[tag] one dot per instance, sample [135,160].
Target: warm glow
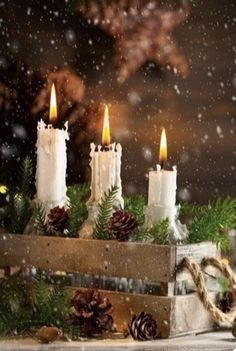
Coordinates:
[106,137]
[163,147]
[3,189]
[53,105]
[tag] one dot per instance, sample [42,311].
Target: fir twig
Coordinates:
[25,305]
[40,219]
[77,195]
[104,214]
[25,176]
[135,205]
[211,222]
[19,210]
[157,234]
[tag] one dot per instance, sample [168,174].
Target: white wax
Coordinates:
[106,168]
[162,187]
[51,164]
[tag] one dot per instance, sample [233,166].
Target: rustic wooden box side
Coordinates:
[176,314]
[188,315]
[99,257]
[126,305]
[196,252]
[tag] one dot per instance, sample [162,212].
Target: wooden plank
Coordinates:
[188,315]
[196,252]
[126,305]
[98,257]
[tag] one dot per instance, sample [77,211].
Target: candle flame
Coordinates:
[106,137]
[53,105]
[163,147]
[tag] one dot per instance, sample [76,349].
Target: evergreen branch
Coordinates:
[77,195]
[211,222]
[104,214]
[25,176]
[18,212]
[39,219]
[135,205]
[25,305]
[157,234]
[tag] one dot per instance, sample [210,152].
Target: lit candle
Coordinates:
[105,165]
[162,185]
[51,160]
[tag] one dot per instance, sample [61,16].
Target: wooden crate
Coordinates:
[176,315]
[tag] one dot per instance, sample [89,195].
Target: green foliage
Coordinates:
[224,285]
[39,219]
[104,214]
[25,176]
[157,234]
[25,305]
[17,213]
[211,222]
[51,304]
[15,313]
[135,205]
[77,195]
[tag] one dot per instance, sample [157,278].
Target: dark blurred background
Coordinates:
[198,111]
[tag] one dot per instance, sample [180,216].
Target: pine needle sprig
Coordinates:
[18,212]
[77,208]
[40,219]
[51,304]
[25,176]
[211,222]
[135,205]
[104,214]
[26,305]
[157,234]
[19,209]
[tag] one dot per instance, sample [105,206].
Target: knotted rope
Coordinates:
[199,280]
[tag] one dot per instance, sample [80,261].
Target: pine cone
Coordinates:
[92,312]
[225,303]
[121,225]
[143,327]
[58,219]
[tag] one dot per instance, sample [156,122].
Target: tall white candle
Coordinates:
[106,166]
[51,161]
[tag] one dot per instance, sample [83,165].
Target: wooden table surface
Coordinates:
[216,341]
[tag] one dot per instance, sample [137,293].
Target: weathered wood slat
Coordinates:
[108,258]
[196,251]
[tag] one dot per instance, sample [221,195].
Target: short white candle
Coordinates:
[51,161]
[162,189]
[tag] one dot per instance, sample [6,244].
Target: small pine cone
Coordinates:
[121,225]
[58,219]
[143,327]
[92,312]
[226,302]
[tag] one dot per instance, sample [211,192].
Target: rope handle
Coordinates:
[199,280]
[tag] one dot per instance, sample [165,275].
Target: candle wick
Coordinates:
[105,148]
[162,164]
